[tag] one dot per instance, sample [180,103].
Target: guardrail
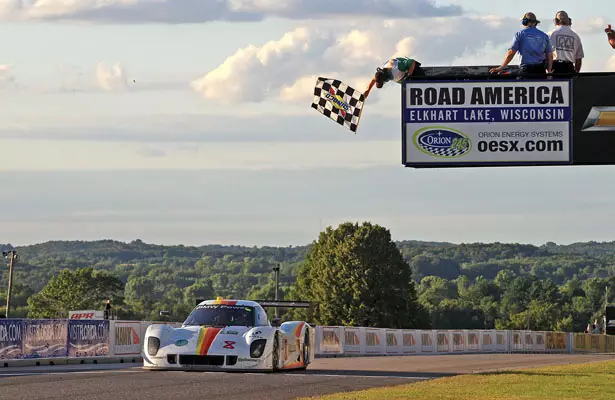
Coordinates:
[46,341]
[361,341]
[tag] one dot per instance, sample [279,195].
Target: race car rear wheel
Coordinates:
[306,349]
[275,355]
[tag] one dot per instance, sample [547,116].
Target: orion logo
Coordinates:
[442,142]
[229,344]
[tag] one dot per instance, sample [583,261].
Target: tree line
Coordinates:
[354,274]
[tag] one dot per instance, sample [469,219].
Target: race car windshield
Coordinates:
[221,315]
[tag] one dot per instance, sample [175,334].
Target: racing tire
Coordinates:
[275,354]
[306,350]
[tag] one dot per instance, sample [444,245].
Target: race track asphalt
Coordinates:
[324,376]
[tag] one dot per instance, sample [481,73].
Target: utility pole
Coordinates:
[276,270]
[11,255]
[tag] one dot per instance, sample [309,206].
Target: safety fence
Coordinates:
[57,338]
[340,340]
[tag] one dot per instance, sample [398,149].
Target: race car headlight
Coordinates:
[153,344]
[257,347]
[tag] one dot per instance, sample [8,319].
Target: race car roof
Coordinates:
[254,303]
[229,302]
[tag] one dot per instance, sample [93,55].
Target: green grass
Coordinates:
[591,381]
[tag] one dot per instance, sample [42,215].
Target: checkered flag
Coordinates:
[338,101]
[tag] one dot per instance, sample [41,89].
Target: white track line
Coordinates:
[333,375]
[137,370]
[69,372]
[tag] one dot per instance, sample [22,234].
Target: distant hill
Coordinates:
[158,276]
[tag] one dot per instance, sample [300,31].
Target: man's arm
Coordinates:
[369,87]
[550,49]
[510,54]
[411,69]
[579,57]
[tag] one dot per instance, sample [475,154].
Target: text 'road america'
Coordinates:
[486,95]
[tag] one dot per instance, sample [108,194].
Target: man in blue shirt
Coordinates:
[534,47]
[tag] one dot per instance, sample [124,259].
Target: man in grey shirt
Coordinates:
[610,33]
[568,54]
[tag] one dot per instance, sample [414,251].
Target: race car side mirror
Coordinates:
[275,322]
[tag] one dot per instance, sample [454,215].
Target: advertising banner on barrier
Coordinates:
[375,341]
[411,341]
[539,341]
[329,339]
[393,341]
[517,341]
[459,342]
[88,338]
[481,123]
[11,339]
[501,341]
[473,341]
[556,341]
[427,343]
[126,338]
[354,338]
[45,338]
[442,342]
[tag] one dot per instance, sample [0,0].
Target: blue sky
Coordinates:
[189,122]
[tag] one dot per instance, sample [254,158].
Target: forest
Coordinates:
[460,286]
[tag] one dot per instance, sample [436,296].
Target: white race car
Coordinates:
[229,335]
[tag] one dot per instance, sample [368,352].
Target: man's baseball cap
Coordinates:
[530,17]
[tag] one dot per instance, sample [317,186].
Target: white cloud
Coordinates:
[590,26]
[194,11]
[103,76]
[111,78]
[287,67]
[7,79]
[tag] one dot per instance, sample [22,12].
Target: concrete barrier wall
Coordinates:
[45,341]
[340,340]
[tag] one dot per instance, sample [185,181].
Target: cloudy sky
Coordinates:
[188,121]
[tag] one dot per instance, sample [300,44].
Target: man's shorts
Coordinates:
[533,71]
